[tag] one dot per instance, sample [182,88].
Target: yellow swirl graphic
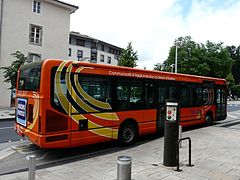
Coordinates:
[35,111]
[60,94]
[74,95]
[90,99]
[95,128]
[106,116]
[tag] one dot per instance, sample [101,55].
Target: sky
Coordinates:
[153,25]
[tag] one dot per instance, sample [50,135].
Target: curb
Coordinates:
[6,118]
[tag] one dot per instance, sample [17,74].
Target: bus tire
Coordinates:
[208,119]
[127,134]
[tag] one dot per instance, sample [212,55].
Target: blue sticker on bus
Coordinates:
[22,111]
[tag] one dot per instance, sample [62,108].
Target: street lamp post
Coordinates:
[176,57]
[172,66]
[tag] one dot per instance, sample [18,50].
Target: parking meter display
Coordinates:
[171,113]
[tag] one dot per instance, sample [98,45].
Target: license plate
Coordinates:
[22,111]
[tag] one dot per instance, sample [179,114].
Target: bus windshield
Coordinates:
[29,79]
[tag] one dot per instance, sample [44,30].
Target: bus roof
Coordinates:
[111,70]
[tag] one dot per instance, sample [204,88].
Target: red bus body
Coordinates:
[65,107]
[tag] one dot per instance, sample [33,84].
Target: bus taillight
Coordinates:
[30,113]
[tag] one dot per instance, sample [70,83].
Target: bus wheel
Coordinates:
[208,120]
[127,134]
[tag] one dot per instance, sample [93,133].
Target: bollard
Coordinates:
[31,165]
[171,132]
[124,164]
[180,136]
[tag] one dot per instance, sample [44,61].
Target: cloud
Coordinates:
[153,25]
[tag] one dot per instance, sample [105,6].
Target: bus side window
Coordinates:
[122,96]
[149,96]
[174,92]
[197,96]
[97,88]
[136,97]
[184,96]
[162,94]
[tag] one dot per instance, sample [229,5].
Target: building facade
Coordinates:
[85,48]
[37,28]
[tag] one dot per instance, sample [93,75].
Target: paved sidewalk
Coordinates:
[7,113]
[215,155]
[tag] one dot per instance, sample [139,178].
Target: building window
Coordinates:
[35,36]
[94,57]
[80,42]
[116,57]
[79,54]
[32,57]
[102,47]
[102,58]
[94,45]
[37,7]
[109,60]
[69,52]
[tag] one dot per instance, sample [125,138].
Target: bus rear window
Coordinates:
[29,79]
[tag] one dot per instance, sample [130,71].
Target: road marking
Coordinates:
[232,116]
[9,127]
[236,113]
[6,152]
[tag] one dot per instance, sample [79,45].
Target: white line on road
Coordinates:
[232,116]
[236,113]
[9,127]
[6,152]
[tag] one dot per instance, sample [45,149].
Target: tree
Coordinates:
[230,82]
[10,73]
[128,57]
[157,67]
[235,55]
[208,59]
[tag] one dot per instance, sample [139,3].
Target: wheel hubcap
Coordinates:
[128,134]
[208,120]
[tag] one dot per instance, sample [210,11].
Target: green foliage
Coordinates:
[230,82]
[235,55]
[208,59]
[158,67]
[236,90]
[233,88]
[10,73]
[128,57]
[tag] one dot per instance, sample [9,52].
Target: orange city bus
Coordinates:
[67,103]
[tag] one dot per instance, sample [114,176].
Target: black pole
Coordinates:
[190,152]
